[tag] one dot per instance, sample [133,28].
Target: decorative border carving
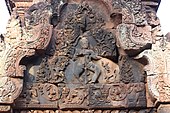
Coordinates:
[15,45]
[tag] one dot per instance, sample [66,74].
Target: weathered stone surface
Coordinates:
[151,110]
[164,109]
[38,96]
[117,96]
[84,56]
[15,45]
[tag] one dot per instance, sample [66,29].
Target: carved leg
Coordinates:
[93,67]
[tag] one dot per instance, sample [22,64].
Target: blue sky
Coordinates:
[163,13]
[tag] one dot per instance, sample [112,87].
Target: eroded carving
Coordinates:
[84,52]
[79,55]
[117,95]
[17,44]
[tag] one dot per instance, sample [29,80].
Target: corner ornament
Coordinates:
[19,42]
[158,70]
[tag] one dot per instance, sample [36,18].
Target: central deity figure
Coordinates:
[83,58]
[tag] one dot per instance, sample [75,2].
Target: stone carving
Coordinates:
[78,50]
[84,56]
[89,96]
[36,94]
[129,68]
[74,97]
[5,108]
[150,110]
[15,45]
[157,71]
[134,37]
[117,95]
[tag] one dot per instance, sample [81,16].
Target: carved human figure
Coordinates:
[86,59]
[73,97]
[32,95]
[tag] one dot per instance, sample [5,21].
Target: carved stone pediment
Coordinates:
[83,56]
